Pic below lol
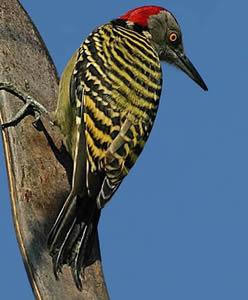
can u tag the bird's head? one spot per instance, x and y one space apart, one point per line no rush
163 30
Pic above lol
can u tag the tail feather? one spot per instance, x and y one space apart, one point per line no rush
79 256
84 245
63 222
71 238
62 253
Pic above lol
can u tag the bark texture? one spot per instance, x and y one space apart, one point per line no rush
38 181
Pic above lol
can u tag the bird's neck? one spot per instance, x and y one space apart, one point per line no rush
129 25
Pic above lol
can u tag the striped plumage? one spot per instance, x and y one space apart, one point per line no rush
114 91
119 74
108 100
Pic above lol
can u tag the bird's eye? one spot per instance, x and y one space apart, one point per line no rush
173 37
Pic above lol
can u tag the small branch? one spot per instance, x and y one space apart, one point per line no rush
38 169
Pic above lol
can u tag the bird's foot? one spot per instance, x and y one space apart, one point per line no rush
31 106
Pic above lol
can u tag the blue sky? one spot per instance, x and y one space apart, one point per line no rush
177 228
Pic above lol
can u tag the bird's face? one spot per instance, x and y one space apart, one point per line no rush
164 32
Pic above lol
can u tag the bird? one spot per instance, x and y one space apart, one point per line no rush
108 99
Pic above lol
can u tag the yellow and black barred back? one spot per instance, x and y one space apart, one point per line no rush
117 79
108 99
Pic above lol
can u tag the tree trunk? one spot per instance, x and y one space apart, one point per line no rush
37 170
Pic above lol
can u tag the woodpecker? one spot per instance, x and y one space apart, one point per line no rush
108 98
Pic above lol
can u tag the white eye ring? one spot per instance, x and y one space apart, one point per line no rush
173 37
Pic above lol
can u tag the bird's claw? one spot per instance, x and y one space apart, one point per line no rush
31 107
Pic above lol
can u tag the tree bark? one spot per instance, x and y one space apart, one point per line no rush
38 177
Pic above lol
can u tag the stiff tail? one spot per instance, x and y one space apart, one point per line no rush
71 238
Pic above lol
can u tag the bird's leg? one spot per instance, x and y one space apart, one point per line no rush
31 106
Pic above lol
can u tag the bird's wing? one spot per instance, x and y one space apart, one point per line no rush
115 86
103 136
115 107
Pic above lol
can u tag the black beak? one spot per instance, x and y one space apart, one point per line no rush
187 67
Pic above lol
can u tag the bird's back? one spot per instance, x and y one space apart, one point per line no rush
116 76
